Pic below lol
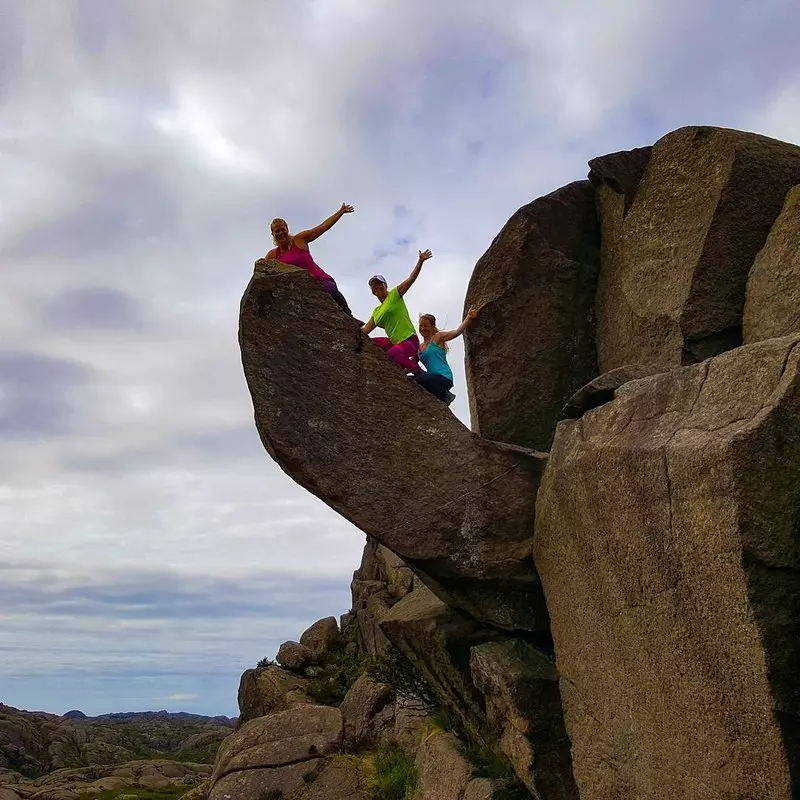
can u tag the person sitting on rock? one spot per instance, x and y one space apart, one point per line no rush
438 377
292 248
401 343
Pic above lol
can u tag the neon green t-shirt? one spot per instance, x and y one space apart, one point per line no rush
392 316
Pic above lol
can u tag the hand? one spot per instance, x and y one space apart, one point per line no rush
424 255
471 314
346 209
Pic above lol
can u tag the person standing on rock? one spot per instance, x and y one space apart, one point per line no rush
292 248
401 343
438 377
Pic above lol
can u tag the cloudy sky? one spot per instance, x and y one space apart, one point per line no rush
149 549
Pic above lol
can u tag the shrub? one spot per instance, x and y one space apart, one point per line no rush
488 762
339 672
394 669
394 773
264 663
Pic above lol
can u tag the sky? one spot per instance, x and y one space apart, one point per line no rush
150 550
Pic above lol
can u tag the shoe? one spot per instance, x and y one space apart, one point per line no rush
449 397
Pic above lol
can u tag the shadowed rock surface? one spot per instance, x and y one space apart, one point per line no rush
532 344
347 425
772 307
519 684
675 266
602 389
667 541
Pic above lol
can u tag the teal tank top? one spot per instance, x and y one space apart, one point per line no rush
435 360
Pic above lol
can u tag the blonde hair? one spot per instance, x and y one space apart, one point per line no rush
430 318
279 219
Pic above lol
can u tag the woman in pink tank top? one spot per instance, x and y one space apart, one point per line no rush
293 249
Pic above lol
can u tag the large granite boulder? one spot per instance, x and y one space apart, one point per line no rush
264 691
346 424
321 637
772 306
668 540
532 344
519 684
675 264
276 752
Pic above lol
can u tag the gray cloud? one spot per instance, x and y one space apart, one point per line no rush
92 307
35 394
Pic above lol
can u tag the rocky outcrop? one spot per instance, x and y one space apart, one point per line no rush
35 744
436 641
368 713
667 541
275 753
532 344
675 266
468 532
294 656
443 772
380 581
270 689
519 684
772 306
321 638
81 782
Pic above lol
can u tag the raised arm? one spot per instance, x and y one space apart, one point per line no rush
314 233
403 287
446 336
368 326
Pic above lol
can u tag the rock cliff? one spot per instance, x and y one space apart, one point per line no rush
616 618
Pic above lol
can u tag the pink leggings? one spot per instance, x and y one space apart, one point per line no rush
403 353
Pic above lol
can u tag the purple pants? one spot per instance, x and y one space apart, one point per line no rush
405 353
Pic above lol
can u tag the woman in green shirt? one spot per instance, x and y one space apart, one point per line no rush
401 343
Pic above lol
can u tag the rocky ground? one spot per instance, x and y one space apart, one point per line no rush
52 757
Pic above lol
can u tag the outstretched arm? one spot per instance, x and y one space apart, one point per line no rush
403 287
446 336
368 326
314 233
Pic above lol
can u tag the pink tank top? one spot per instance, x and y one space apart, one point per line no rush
298 257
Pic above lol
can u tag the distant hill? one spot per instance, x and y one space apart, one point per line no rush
34 743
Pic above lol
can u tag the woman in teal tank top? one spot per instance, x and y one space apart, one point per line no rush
438 377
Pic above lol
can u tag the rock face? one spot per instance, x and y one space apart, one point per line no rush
468 532
443 772
532 344
667 541
772 307
368 713
276 753
519 685
436 640
675 266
